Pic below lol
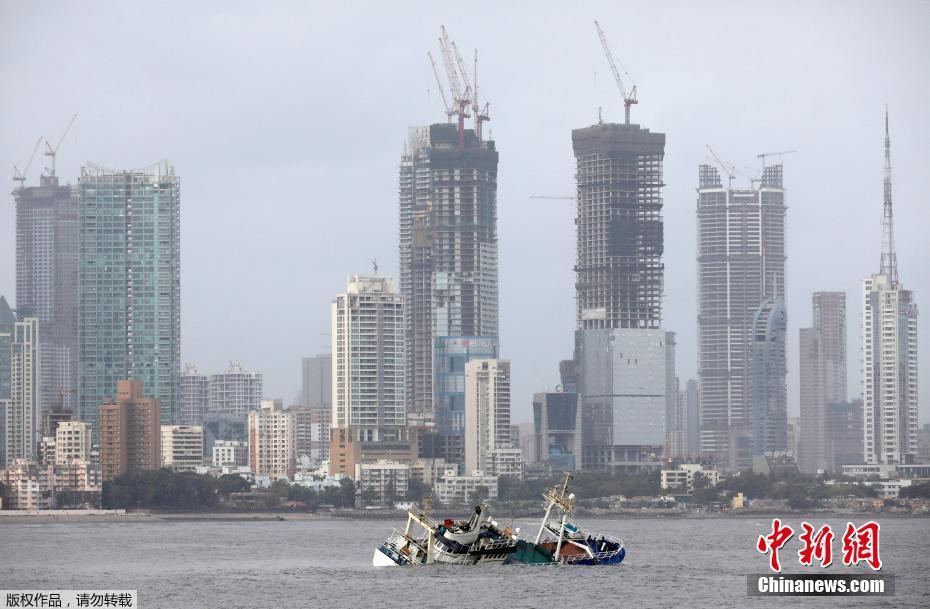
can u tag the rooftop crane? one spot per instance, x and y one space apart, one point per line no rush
51 151
461 101
574 200
442 90
481 114
21 177
766 154
730 171
628 100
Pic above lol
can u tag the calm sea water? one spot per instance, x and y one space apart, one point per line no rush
327 563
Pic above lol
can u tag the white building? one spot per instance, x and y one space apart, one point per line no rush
272 439
229 453
22 410
889 352
683 477
236 391
72 442
388 479
461 490
195 395
488 445
368 358
182 447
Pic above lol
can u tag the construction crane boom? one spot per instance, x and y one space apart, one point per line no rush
21 176
628 100
730 171
768 154
51 151
442 90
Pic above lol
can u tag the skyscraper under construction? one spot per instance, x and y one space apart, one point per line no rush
448 256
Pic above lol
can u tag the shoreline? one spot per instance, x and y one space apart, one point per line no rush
136 517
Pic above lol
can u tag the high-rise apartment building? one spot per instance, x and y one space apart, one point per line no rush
317 381
47 281
889 351
312 433
236 391
130 285
487 417
369 358
823 377
691 416
272 441
448 264
769 371
7 322
129 431
741 264
620 348
195 396
22 416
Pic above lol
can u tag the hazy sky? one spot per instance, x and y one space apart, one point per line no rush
286 123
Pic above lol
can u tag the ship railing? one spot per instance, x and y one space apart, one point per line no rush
398 540
421 515
598 556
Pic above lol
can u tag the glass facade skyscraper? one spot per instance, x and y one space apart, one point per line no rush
130 288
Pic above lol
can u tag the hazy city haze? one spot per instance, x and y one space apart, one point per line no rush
286 124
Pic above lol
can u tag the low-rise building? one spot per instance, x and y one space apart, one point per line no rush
72 442
272 441
387 479
462 490
683 478
182 447
230 453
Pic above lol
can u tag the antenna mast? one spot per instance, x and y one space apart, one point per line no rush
889 264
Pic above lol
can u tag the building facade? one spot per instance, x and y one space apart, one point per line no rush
823 377
22 413
272 441
487 413
236 391
129 431
130 285
195 396
230 453
619 277
182 447
769 371
557 426
47 281
448 256
741 263
72 442
317 381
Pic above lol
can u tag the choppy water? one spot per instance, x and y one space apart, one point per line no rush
327 563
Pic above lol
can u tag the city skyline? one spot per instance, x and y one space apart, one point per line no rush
837 166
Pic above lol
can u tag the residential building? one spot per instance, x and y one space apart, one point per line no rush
889 352
843 435
312 432
465 490
223 426
557 427
684 477
388 480
823 377
317 381
691 417
72 442
182 447
769 371
230 453
195 396
448 264
47 281
129 431
487 414
369 404
22 413
272 441
674 413
130 286
619 279
31 485
741 263
7 323
236 391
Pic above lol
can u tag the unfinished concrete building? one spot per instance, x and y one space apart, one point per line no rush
448 265
620 348
741 264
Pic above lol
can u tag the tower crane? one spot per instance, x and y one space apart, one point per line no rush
730 171
767 154
442 90
461 99
574 200
628 100
481 114
51 151
21 176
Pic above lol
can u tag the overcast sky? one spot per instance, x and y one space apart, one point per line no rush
286 123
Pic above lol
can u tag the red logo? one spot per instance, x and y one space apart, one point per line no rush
861 544
817 545
775 541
